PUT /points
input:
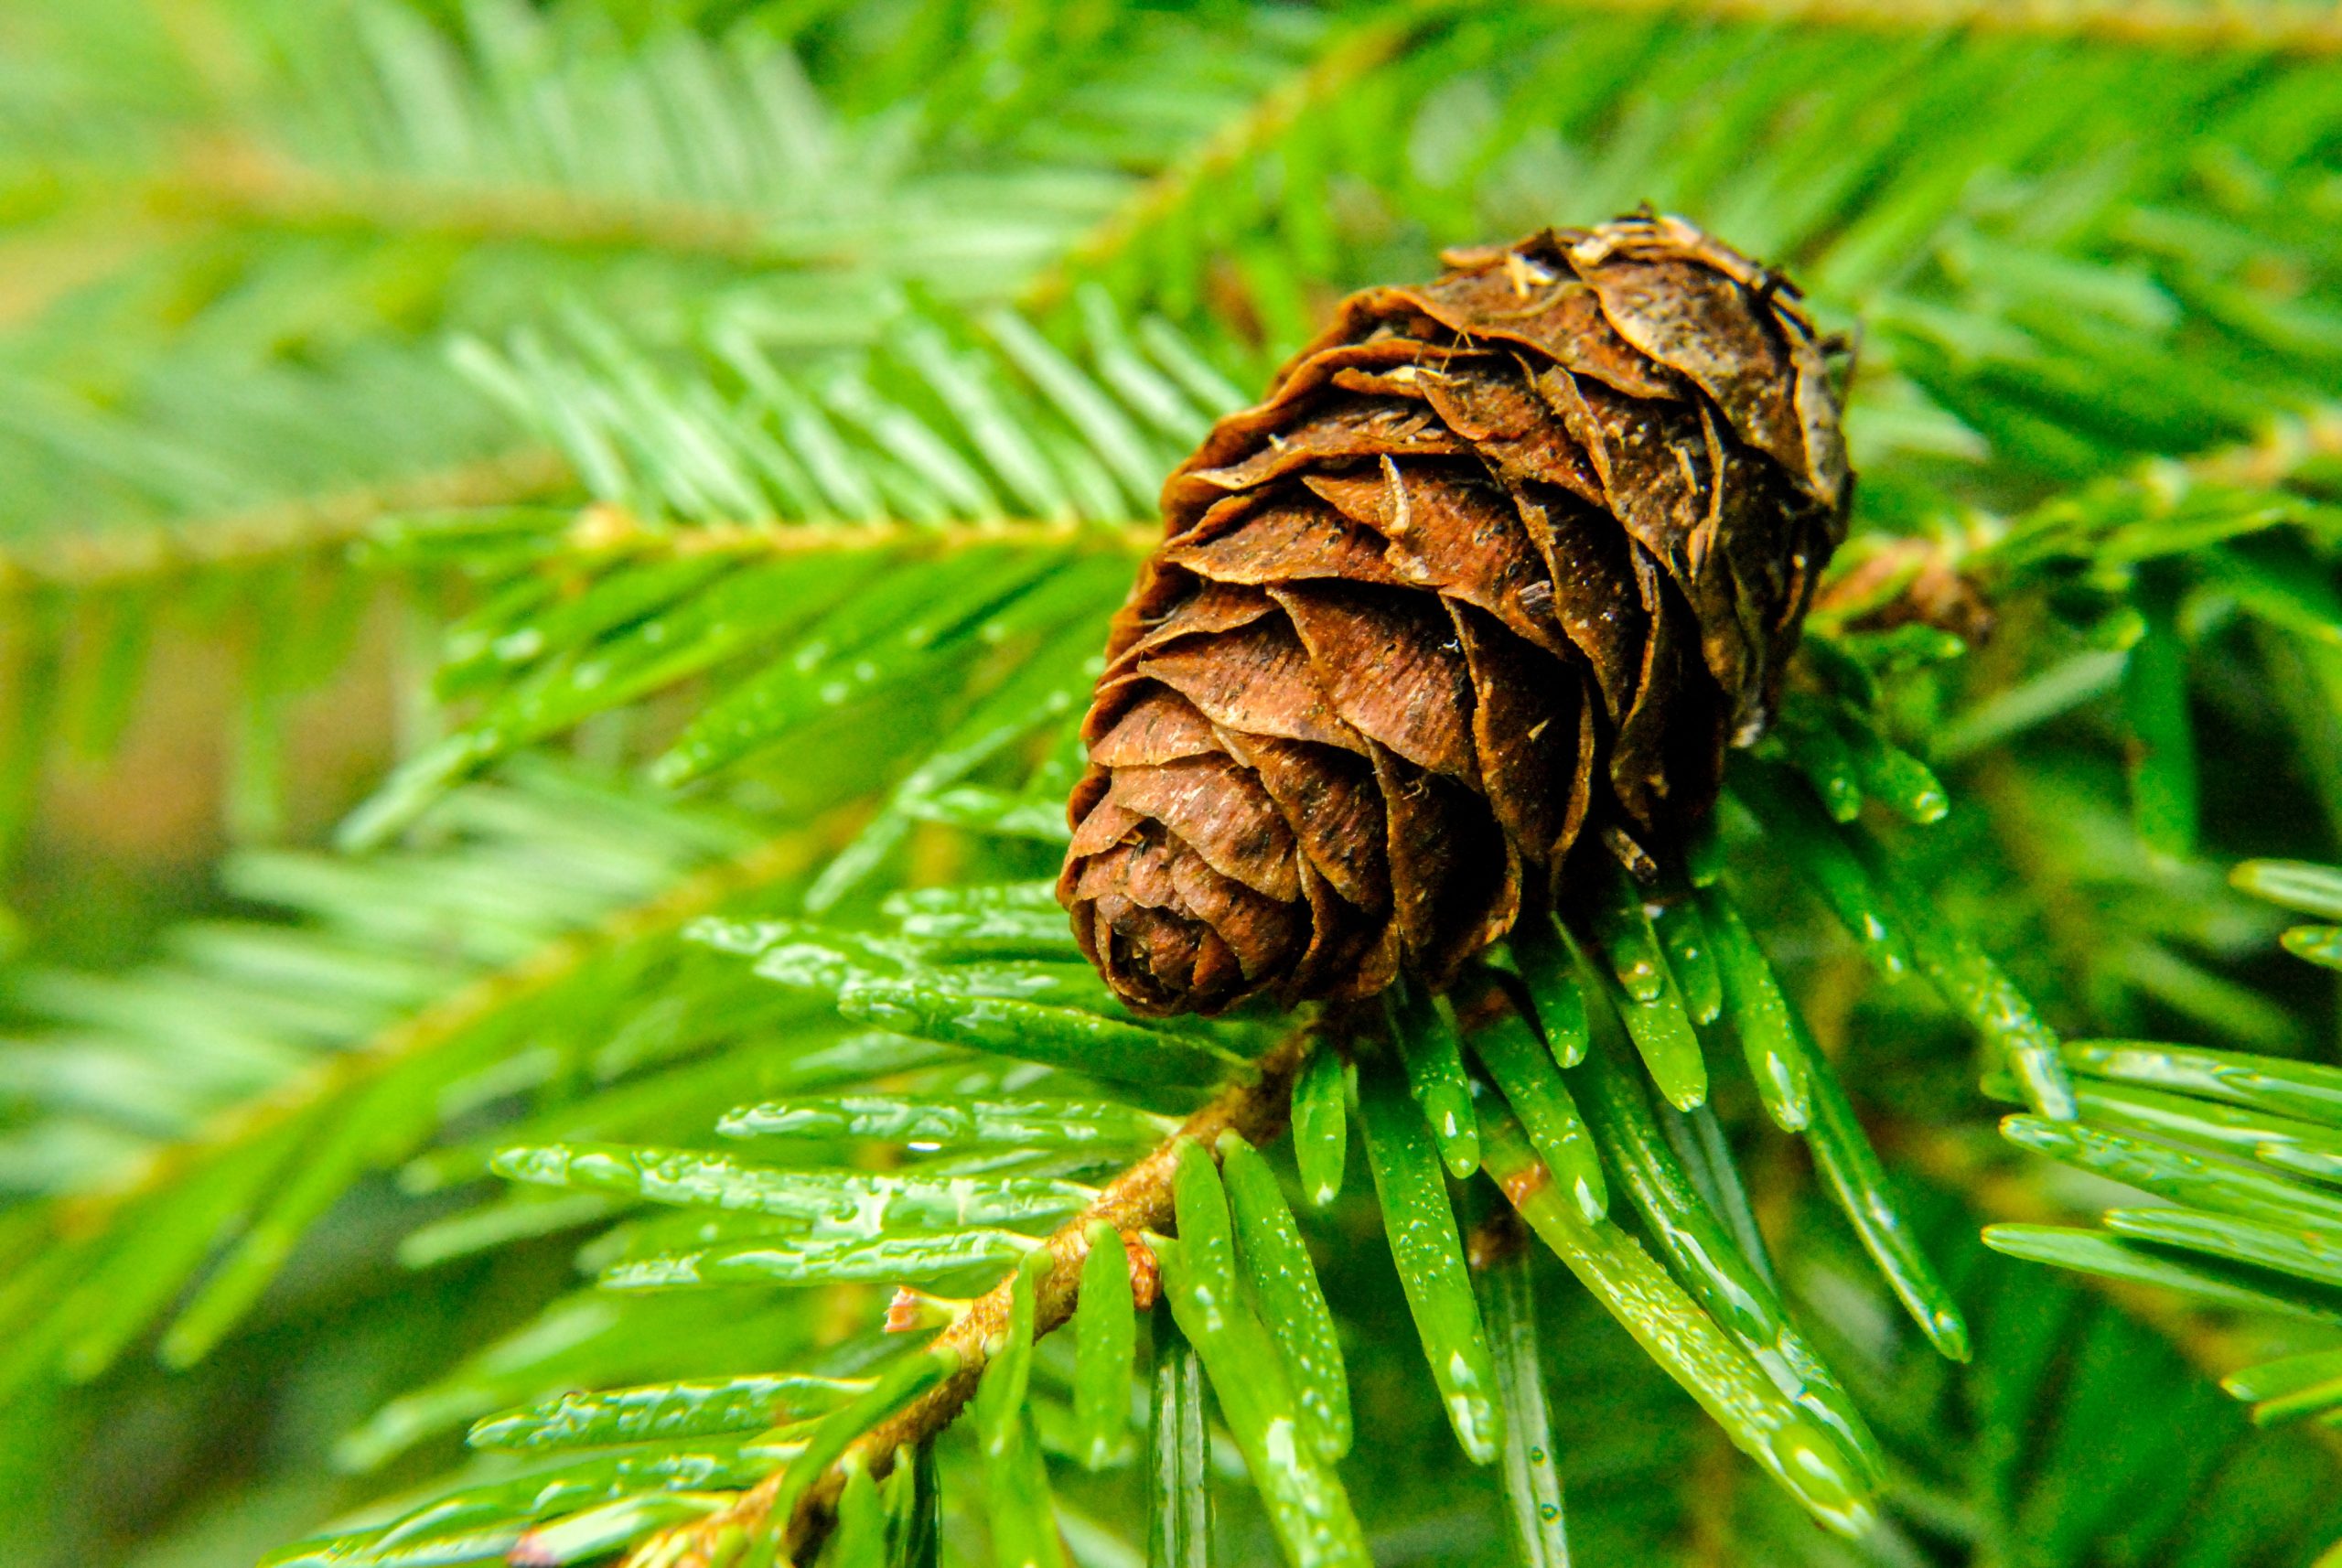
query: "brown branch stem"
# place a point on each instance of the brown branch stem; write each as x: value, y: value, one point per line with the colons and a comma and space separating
x: 605, y: 529
x: 236, y: 179
x: 1138, y: 1199
x: 1885, y: 580
x: 701, y: 892
x: 99, y: 558
x: 2151, y: 24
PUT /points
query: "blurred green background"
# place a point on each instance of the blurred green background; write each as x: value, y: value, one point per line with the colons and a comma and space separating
x: 323, y: 323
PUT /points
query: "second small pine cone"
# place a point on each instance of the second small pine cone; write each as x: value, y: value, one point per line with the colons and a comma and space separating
x: 1504, y: 561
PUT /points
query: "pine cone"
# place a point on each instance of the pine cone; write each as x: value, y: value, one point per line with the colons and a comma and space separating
x: 1498, y: 568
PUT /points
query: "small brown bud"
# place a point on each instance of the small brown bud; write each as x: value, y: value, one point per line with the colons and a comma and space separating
x: 1146, y: 1274
x: 915, y: 1311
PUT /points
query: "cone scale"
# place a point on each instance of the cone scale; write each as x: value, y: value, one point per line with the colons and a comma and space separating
x: 1488, y: 583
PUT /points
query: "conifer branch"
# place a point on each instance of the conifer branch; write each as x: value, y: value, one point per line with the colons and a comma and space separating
x: 2163, y: 24
x: 101, y: 558
x: 606, y: 530
x: 1955, y: 1161
x: 1889, y: 579
x: 240, y: 181
x: 2278, y: 453
x: 2274, y: 29
x: 48, y: 262
x: 1138, y: 1200
x: 1162, y: 198
x: 533, y: 975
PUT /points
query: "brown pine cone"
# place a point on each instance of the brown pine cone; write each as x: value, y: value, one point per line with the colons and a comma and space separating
x: 1500, y: 566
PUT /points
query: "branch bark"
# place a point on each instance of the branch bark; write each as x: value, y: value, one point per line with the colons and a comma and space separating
x: 84, y: 560
x: 1138, y: 1199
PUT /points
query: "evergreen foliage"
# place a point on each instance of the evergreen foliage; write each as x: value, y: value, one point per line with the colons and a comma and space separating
x: 687, y: 453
